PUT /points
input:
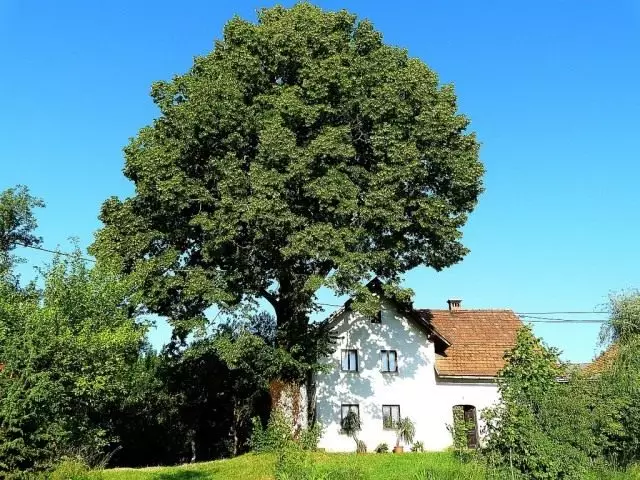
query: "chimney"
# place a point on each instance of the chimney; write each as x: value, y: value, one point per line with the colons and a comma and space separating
x: 454, y: 304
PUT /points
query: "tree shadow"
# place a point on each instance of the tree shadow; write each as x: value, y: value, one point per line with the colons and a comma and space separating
x: 335, y: 387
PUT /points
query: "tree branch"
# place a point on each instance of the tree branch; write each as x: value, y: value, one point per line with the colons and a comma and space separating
x: 271, y: 298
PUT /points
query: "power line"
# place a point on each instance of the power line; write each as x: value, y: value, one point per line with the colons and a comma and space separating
x: 531, y: 317
x: 56, y: 252
x: 560, y: 313
x: 558, y: 319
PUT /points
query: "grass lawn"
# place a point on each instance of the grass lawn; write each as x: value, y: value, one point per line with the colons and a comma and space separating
x: 413, y: 466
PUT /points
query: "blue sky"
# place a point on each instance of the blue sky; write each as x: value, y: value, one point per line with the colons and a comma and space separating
x: 551, y: 88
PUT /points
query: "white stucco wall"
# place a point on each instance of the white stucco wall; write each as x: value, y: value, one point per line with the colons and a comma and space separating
x: 428, y: 401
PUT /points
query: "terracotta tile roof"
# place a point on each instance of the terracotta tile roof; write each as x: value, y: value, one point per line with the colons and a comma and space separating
x: 479, y: 339
x: 602, y: 361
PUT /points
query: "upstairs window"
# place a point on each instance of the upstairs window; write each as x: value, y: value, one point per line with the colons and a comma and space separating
x: 389, y: 361
x: 349, y: 360
x: 390, y: 416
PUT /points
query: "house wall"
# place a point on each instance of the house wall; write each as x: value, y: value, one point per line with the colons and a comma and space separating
x: 421, y: 396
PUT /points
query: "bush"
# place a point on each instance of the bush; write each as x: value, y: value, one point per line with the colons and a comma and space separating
x: 361, y: 447
x: 73, y: 469
x: 418, y: 447
x: 278, y: 435
x: 527, y: 432
x: 310, y: 437
x: 382, y: 448
x: 293, y: 463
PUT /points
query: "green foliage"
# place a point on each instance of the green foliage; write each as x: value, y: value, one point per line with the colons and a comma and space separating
x: 382, y: 448
x: 620, y: 380
x: 301, y: 152
x: 17, y: 223
x: 66, y: 351
x: 405, y: 431
x: 418, y: 447
x: 309, y: 438
x: 523, y: 432
x: 459, y: 431
x: 279, y: 436
x: 73, y: 469
x: 293, y: 463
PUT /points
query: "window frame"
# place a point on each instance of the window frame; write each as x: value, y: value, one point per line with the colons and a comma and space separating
x: 349, y: 406
x: 387, y: 353
x: 347, y: 351
x: 390, y: 407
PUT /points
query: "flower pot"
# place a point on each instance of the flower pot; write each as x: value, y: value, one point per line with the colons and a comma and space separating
x: 398, y: 449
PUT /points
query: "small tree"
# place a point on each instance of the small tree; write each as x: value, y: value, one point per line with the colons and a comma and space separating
x: 351, y: 425
x: 405, y: 431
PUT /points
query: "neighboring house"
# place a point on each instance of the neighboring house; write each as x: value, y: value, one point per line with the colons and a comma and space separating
x: 411, y: 363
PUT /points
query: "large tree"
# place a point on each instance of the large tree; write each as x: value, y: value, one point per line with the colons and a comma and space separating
x: 301, y: 152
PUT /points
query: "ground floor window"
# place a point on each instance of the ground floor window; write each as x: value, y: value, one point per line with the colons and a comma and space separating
x: 390, y: 416
x: 347, y: 408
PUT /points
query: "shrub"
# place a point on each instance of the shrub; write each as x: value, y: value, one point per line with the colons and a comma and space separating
x: 310, y: 437
x: 293, y: 463
x: 417, y: 447
x: 351, y: 425
x: 523, y: 432
x: 405, y: 431
x: 279, y: 435
x: 361, y: 447
x: 275, y: 437
x: 73, y: 469
x: 382, y: 448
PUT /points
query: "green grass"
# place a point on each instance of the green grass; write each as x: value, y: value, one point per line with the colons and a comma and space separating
x: 413, y: 466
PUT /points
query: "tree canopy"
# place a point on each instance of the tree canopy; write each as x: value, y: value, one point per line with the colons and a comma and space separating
x: 17, y: 223
x: 301, y: 152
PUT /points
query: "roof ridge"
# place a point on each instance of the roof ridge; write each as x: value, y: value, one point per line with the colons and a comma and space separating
x: 463, y: 310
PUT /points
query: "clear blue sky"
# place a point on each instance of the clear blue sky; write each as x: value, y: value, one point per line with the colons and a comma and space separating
x: 551, y: 88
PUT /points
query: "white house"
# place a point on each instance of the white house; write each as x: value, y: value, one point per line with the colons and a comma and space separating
x: 411, y: 363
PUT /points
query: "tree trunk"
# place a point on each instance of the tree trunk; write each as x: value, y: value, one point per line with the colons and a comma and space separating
x: 290, y: 399
x: 234, y: 428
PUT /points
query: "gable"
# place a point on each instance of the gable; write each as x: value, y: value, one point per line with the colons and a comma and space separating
x: 467, y: 343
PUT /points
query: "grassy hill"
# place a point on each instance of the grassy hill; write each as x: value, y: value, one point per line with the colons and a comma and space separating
x: 413, y: 466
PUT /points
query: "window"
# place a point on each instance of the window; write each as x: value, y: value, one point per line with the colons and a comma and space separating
x: 377, y: 318
x: 390, y: 416
x: 346, y: 408
x: 389, y: 361
x: 350, y: 360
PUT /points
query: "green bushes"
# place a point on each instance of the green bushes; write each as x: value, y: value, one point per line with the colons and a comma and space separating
x: 550, y: 429
x: 73, y: 469
x: 382, y: 448
x: 417, y: 447
x: 279, y: 435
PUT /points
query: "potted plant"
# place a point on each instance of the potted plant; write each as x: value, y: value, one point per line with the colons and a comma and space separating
x: 351, y: 426
x: 405, y: 431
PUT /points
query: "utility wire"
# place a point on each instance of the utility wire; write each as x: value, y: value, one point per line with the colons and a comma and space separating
x: 56, y: 252
x: 531, y: 317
